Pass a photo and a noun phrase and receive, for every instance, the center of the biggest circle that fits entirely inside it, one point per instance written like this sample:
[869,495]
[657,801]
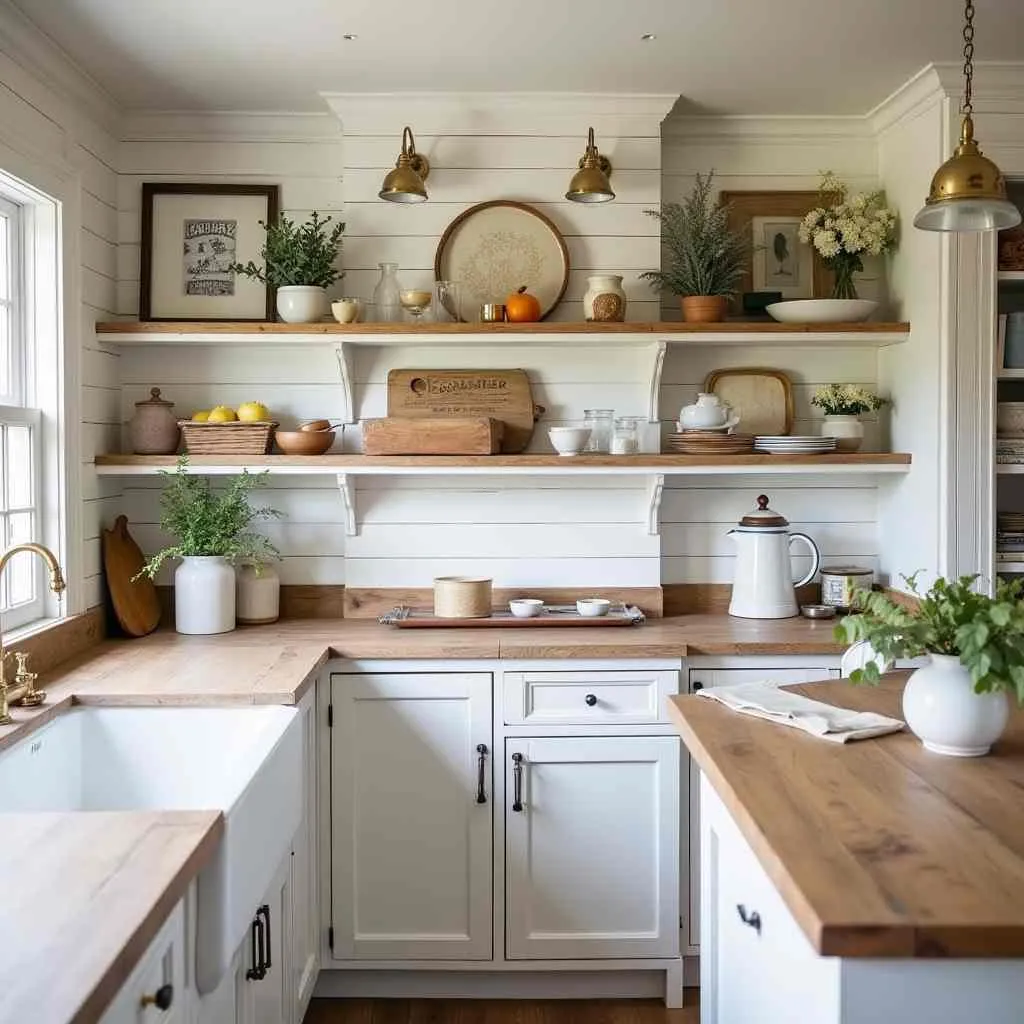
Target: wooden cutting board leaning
[453,435]
[503,395]
[136,605]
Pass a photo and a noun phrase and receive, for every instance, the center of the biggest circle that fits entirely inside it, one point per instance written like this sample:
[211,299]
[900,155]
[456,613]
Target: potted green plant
[210,530]
[843,405]
[704,260]
[957,702]
[299,261]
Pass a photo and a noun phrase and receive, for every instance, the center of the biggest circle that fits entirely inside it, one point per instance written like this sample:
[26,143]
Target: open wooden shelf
[1010,277]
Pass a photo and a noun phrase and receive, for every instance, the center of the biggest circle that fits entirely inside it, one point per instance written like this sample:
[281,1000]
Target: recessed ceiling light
[349,36]
[648,37]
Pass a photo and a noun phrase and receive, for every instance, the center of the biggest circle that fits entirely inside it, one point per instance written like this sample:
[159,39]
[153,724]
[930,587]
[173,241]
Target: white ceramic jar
[258,594]
[604,300]
[301,303]
[944,712]
[847,430]
[204,595]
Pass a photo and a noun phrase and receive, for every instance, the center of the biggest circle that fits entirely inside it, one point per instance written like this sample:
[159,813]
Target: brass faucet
[24,680]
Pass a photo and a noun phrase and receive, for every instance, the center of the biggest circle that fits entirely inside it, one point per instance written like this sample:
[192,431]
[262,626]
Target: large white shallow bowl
[822,311]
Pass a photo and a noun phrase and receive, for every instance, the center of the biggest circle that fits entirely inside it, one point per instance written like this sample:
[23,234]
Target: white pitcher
[709,412]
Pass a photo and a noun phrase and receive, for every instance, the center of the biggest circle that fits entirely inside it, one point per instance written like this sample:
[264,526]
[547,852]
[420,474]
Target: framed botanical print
[192,234]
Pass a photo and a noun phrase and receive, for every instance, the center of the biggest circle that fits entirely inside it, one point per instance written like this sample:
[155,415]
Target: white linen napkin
[766,700]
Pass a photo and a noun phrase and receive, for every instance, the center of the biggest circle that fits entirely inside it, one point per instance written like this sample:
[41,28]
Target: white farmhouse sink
[246,762]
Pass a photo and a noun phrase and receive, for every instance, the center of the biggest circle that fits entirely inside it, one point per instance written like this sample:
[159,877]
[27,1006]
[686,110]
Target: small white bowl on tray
[526,607]
[593,607]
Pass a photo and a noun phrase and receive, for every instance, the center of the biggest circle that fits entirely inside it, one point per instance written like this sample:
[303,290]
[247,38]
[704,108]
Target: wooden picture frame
[748,208]
[189,231]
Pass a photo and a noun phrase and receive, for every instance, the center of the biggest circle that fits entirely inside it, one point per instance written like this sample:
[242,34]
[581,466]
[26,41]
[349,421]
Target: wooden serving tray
[552,615]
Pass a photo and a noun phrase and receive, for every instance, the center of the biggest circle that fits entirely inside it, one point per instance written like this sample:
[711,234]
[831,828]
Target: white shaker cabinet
[411,816]
[592,839]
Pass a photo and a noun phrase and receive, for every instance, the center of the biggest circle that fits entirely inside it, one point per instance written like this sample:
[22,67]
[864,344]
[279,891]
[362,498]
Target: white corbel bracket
[656,354]
[347,489]
[655,490]
[343,353]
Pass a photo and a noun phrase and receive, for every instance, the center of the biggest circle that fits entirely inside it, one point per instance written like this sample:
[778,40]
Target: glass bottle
[600,423]
[387,295]
[626,436]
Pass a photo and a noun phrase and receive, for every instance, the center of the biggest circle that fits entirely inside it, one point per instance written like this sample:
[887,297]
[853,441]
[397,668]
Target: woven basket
[227,438]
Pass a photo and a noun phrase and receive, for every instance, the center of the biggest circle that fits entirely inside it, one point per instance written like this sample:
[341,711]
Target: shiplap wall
[65,126]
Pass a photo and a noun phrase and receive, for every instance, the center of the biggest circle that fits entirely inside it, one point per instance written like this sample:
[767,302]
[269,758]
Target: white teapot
[709,412]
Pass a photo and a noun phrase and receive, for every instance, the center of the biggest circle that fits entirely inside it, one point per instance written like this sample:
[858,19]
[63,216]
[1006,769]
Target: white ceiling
[731,56]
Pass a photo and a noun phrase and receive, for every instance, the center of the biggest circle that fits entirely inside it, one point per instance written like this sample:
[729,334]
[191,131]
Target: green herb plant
[985,633]
[297,254]
[702,255]
[203,521]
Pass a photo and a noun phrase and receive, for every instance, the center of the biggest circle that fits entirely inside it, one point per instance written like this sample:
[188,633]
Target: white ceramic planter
[847,430]
[604,301]
[944,712]
[258,598]
[301,303]
[204,595]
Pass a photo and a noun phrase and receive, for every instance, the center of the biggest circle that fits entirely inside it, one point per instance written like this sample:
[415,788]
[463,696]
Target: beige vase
[704,309]
[604,301]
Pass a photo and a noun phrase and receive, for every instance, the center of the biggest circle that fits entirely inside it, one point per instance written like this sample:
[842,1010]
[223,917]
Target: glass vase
[844,266]
[387,295]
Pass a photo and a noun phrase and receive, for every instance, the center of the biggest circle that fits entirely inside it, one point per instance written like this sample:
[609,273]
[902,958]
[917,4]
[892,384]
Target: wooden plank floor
[500,1011]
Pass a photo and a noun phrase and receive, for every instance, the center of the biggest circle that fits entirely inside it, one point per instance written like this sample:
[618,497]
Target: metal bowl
[817,611]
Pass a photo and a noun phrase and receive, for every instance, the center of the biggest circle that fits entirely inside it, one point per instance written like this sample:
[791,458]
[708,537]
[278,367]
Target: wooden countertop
[83,896]
[879,848]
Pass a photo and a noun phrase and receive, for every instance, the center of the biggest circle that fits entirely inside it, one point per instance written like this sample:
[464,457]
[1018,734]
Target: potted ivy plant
[843,405]
[299,262]
[704,260]
[211,530]
[956,703]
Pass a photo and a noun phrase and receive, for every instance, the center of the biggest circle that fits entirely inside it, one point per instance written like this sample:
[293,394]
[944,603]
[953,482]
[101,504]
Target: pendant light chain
[967,108]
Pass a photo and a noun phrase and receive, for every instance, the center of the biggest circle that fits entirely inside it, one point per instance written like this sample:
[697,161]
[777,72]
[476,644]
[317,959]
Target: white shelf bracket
[655,490]
[347,489]
[343,353]
[657,356]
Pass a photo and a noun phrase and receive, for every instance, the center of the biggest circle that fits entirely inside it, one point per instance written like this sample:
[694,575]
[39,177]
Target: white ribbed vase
[204,595]
[847,430]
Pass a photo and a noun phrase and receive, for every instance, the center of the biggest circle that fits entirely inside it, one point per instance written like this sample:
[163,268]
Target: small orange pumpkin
[522,308]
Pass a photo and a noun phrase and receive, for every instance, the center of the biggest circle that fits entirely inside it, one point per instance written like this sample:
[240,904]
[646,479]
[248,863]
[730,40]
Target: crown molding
[229,126]
[769,129]
[929,86]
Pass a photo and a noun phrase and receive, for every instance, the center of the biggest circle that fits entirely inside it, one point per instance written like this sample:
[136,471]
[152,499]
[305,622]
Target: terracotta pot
[704,309]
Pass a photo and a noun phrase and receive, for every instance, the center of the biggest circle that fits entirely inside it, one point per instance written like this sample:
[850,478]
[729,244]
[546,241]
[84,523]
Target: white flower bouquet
[846,400]
[843,227]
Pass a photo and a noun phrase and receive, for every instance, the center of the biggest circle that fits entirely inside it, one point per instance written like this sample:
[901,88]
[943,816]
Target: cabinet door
[411,844]
[592,856]
[305,953]
[271,998]
[708,677]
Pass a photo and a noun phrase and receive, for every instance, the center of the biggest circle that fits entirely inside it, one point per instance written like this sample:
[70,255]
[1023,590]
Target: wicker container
[227,438]
[462,597]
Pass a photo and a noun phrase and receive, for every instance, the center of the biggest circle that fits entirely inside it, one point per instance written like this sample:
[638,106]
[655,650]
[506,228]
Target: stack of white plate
[796,444]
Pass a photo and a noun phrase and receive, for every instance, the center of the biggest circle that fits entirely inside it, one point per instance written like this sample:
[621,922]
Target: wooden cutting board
[136,605]
[453,435]
[501,394]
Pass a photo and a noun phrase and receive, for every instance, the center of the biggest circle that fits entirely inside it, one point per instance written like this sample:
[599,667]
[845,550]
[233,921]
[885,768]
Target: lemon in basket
[200,415]
[221,414]
[253,412]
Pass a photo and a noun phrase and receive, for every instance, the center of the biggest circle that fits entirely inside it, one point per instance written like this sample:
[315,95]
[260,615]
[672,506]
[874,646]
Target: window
[21,589]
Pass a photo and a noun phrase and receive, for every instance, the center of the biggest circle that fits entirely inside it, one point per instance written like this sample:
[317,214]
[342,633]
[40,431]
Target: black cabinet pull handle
[752,917]
[517,782]
[162,998]
[697,685]
[481,770]
[265,911]
[590,700]
[257,972]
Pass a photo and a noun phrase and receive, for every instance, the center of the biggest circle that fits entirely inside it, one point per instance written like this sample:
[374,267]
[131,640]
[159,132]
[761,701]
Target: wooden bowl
[304,442]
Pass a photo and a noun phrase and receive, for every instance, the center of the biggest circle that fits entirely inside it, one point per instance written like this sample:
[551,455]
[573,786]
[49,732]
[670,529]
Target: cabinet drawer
[587,698]
[708,677]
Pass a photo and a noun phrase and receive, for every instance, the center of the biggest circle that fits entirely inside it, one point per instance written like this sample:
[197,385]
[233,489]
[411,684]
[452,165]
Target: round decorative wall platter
[493,249]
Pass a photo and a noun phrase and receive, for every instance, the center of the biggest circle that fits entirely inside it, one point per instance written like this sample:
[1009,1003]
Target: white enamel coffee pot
[709,412]
[763,586]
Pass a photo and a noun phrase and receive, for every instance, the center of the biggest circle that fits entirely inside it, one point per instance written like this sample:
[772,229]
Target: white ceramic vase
[204,595]
[604,301]
[301,303]
[847,430]
[258,597]
[944,712]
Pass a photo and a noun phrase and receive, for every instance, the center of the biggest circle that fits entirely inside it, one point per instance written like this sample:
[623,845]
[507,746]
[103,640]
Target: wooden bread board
[454,435]
[136,605]
[503,395]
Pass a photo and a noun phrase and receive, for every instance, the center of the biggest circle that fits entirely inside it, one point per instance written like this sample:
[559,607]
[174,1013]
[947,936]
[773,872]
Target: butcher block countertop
[878,847]
[83,897]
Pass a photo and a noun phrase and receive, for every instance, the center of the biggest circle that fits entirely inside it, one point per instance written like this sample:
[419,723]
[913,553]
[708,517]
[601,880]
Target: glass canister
[600,422]
[387,295]
[626,436]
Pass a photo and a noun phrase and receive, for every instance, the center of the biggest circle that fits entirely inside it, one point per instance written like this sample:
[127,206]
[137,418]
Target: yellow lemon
[221,414]
[253,412]
[201,416]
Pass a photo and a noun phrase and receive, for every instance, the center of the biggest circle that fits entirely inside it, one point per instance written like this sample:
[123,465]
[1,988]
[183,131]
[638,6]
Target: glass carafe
[387,295]
[600,423]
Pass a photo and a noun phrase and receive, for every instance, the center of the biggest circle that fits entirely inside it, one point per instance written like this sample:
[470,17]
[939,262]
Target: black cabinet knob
[697,685]
[162,999]
[590,700]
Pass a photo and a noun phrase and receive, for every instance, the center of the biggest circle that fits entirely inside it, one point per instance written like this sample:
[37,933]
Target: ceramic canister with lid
[839,583]
[153,429]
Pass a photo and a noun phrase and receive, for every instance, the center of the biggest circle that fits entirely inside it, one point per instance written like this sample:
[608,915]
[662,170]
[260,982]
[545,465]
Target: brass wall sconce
[405,183]
[590,183]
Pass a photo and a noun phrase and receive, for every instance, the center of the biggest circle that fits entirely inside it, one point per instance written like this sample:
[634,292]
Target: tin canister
[493,313]
[839,583]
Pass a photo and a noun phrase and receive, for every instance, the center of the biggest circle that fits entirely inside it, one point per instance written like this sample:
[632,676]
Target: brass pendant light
[968,191]
[590,183]
[405,183]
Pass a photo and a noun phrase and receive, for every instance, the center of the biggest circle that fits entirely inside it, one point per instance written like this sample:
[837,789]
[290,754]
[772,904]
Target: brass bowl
[304,442]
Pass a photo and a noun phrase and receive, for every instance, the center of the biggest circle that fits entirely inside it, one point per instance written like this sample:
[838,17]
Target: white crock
[847,430]
[944,712]
[204,595]
[604,301]
[258,597]
[301,303]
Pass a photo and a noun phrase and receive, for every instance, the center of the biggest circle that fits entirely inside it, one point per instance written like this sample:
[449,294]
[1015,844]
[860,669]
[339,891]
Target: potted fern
[211,530]
[299,261]
[704,260]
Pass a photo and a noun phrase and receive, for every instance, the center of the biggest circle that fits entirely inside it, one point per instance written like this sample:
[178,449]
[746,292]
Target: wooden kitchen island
[866,882]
